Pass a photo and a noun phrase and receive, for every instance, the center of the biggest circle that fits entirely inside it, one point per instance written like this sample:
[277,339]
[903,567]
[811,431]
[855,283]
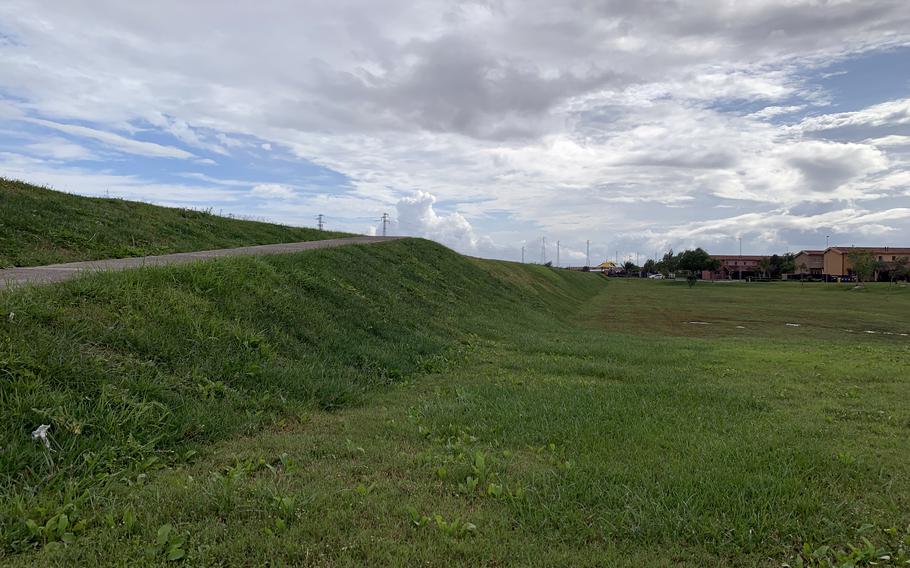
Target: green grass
[430,409]
[40,226]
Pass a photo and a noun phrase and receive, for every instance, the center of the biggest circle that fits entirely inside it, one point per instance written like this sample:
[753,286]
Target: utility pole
[557,254]
[319,221]
[385,221]
[616,258]
[588,253]
[740,258]
[522,254]
[543,250]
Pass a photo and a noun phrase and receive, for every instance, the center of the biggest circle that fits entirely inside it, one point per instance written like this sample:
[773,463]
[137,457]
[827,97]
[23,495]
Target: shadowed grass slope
[554,419]
[135,368]
[40,226]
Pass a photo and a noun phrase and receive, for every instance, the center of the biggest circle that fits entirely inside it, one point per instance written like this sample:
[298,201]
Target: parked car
[657,276]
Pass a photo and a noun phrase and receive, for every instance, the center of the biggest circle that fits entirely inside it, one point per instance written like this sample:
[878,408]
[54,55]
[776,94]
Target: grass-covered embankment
[540,418]
[133,370]
[40,226]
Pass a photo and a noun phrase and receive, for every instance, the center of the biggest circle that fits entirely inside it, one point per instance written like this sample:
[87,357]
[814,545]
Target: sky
[487,126]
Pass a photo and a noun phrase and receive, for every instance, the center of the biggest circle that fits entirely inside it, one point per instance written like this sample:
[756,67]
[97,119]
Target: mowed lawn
[611,432]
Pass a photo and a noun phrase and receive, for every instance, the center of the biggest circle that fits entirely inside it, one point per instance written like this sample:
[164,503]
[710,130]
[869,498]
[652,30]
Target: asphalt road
[59,272]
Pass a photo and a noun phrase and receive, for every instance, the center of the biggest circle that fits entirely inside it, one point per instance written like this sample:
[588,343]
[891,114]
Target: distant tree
[764,265]
[650,266]
[900,270]
[630,267]
[864,264]
[774,265]
[803,269]
[693,262]
[668,264]
[788,263]
[881,267]
[781,264]
[696,261]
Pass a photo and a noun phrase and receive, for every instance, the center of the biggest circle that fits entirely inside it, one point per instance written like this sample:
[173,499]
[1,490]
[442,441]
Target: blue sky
[486,126]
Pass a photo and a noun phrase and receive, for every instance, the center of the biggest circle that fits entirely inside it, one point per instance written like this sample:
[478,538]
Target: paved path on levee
[60,272]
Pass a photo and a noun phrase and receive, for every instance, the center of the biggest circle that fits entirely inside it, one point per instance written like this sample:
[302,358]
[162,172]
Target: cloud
[826,166]
[417,217]
[115,141]
[272,191]
[182,131]
[622,122]
[891,113]
[769,226]
[775,111]
[60,149]
[84,181]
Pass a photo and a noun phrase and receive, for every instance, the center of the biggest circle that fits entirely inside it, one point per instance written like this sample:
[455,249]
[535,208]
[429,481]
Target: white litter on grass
[11,316]
[870,331]
[699,323]
[792,325]
[740,327]
[40,433]
[902,334]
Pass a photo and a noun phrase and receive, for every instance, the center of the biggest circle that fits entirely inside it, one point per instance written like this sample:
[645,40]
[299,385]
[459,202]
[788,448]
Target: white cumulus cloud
[416,216]
[273,191]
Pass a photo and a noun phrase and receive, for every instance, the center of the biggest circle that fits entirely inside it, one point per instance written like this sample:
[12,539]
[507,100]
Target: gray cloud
[560,114]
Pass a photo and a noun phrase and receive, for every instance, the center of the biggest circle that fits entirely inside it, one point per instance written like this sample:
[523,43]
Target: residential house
[837,259]
[734,267]
[809,263]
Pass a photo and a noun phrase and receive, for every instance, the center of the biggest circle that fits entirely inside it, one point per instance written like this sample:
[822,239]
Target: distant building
[606,266]
[809,263]
[837,259]
[734,266]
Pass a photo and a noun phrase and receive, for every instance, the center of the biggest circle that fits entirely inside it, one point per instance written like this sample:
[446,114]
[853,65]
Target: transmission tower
[385,221]
[319,221]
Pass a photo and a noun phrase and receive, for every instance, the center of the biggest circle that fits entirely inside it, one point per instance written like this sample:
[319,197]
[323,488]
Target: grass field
[430,409]
[41,226]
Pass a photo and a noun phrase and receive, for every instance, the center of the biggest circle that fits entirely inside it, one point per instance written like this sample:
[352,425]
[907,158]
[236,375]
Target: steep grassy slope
[479,413]
[134,369]
[41,226]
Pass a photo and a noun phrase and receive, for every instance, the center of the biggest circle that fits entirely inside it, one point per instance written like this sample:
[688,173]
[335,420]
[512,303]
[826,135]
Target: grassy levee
[482,413]
[142,368]
[40,226]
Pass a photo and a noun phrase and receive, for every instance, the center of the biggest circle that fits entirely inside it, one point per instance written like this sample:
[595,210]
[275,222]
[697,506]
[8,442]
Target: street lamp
[740,258]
